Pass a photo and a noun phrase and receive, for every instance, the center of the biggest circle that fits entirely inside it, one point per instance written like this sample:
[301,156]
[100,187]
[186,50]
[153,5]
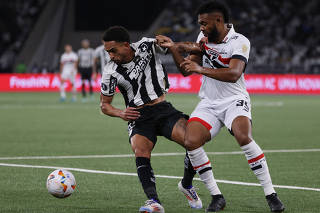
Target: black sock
[147,178]
[83,90]
[189,173]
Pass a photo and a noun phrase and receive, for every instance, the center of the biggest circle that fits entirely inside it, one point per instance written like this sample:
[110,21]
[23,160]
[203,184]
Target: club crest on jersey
[212,54]
[143,47]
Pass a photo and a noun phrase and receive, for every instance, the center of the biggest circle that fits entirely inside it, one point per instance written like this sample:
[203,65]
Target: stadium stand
[284,39]
[17,19]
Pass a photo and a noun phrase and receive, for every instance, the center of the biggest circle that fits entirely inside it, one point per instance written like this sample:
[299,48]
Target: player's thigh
[172,123]
[179,131]
[64,75]
[202,126]
[238,120]
[141,146]
[206,115]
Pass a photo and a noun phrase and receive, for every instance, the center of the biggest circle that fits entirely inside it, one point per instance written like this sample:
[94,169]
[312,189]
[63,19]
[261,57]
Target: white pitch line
[153,155]
[158,176]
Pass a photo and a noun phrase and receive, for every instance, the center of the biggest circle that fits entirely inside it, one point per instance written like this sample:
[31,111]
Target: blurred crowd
[16,21]
[284,35]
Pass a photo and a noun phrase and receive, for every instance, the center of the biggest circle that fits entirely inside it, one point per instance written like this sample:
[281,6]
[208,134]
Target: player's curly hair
[116,33]
[215,6]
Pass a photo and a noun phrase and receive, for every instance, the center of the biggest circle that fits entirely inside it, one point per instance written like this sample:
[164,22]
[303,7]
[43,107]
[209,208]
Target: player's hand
[204,40]
[190,66]
[164,41]
[130,114]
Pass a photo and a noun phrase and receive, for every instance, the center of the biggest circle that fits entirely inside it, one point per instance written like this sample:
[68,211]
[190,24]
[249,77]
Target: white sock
[74,91]
[258,165]
[62,92]
[202,165]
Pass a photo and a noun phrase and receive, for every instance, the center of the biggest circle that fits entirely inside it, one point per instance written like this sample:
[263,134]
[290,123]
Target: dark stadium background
[283,34]
[39,133]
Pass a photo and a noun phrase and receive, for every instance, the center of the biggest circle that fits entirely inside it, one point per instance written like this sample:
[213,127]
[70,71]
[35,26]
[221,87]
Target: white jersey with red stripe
[216,56]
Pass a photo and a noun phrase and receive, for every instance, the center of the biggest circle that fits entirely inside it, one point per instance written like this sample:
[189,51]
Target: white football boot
[192,196]
[151,206]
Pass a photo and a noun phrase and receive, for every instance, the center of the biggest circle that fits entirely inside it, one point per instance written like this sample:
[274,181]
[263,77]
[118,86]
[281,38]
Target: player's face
[118,51]
[210,25]
[67,48]
[85,44]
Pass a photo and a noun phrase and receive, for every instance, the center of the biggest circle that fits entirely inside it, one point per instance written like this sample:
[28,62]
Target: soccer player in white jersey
[136,69]
[220,56]
[68,71]
[85,64]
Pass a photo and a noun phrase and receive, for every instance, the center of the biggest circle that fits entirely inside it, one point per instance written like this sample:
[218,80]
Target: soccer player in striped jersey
[136,69]
[220,56]
[85,64]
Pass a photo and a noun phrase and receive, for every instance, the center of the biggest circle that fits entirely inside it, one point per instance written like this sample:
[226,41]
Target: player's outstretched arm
[178,48]
[127,114]
[230,74]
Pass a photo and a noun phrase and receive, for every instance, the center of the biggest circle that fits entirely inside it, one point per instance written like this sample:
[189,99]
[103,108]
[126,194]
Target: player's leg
[197,134]
[185,185]
[89,77]
[73,84]
[202,126]
[62,89]
[83,81]
[142,140]
[238,119]
[241,128]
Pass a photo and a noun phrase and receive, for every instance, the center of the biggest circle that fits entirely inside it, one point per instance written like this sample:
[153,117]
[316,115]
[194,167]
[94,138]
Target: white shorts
[68,74]
[215,115]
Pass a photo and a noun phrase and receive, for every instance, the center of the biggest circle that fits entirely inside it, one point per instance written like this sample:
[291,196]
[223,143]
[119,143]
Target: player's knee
[243,139]
[193,142]
[142,152]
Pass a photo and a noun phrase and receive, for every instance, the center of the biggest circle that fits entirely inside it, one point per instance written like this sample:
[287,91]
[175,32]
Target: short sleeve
[157,48]
[108,82]
[75,57]
[241,49]
[62,58]
[97,52]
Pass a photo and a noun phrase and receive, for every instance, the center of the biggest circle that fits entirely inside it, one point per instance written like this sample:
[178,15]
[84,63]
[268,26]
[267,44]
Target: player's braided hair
[215,6]
[116,33]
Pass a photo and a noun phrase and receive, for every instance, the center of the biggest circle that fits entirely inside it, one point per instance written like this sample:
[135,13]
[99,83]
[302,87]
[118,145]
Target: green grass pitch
[36,124]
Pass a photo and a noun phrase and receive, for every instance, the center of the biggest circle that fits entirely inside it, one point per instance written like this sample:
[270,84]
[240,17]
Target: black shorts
[155,120]
[85,73]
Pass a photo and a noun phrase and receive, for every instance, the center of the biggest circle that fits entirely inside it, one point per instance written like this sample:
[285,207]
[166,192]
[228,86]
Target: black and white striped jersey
[85,57]
[141,80]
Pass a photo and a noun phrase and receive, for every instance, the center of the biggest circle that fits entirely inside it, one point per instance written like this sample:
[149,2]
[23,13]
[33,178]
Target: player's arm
[61,67]
[127,114]
[76,63]
[178,48]
[230,74]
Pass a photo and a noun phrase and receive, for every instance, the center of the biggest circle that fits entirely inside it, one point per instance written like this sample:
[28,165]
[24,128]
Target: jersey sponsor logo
[234,37]
[140,64]
[141,60]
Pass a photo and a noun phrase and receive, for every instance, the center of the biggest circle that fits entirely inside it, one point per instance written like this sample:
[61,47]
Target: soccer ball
[61,183]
